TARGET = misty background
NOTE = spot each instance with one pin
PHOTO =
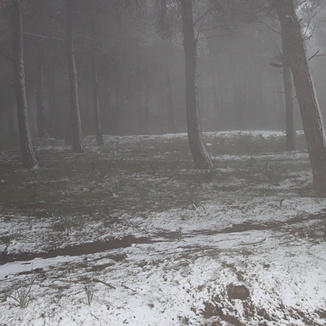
(140, 69)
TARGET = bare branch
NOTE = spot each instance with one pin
(96, 45)
(202, 18)
(44, 36)
(269, 27)
(105, 283)
(316, 55)
(6, 56)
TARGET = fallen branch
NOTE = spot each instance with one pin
(107, 284)
(128, 288)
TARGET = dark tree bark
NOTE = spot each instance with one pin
(26, 145)
(198, 150)
(288, 94)
(99, 136)
(73, 83)
(305, 90)
(40, 99)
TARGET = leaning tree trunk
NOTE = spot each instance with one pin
(197, 147)
(73, 83)
(305, 90)
(288, 94)
(26, 145)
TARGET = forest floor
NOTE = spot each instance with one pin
(131, 234)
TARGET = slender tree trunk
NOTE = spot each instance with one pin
(117, 104)
(198, 150)
(172, 125)
(10, 117)
(164, 30)
(68, 130)
(106, 114)
(40, 98)
(236, 84)
(305, 90)
(99, 136)
(147, 95)
(279, 100)
(26, 145)
(216, 98)
(288, 94)
(73, 83)
(260, 112)
(52, 98)
(170, 105)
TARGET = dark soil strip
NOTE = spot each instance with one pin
(101, 246)
(249, 226)
(75, 250)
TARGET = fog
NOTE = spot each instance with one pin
(141, 69)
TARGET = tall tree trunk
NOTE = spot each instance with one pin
(306, 94)
(236, 85)
(40, 98)
(117, 113)
(278, 98)
(198, 150)
(52, 98)
(172, 125)
(216, 98)
(26, 145)
(288, 94)
(147, 95)
(106, 112)
(68, 130)
(99, 136)
(73, 83)
(260, 114)
(165, 31)
(10, 117)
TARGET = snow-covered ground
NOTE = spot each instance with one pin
(138, 240)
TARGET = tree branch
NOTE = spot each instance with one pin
(316, 55)
(269, 27)
(97, 46)
(44, 36)
(6, 56)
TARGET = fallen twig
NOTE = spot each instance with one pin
(128, 288)
(107, 284)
